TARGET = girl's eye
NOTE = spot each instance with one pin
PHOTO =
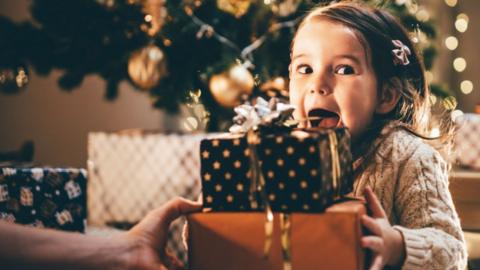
(344, 70)
(304, 69)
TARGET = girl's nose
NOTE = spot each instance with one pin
(321, 91)
(319, 85)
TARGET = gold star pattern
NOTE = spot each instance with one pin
(229, 198)
(226, 153)
(311, 149)
(303, 184)
(209, 199)
(284, 207)
(280, 162)
(237, 164)
(246, 152)
(216, 165)
(228, 176)
(254, 205)
(239, 187)
(218, 187)
(268, 151)
(248, 174)
(306, 207)
(270, 174)
(207, 177)
(315, 196)
(215, 143)
(279, 139)
(205, 154)
(313, 172)
(236, 142)
(281, 185)
(294, 196)
(290, 150)
(302, 161)
(291, 173)
(271, 197)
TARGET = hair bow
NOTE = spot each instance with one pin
(400, 53)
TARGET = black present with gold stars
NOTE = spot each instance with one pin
(297, 166)
(44, 197)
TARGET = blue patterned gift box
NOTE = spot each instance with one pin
(44, 197)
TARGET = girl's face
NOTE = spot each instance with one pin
(331, 78)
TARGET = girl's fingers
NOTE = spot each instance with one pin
(372, 225)
(374, 243)
(374, 204)
(377, 263)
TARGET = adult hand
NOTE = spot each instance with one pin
(386, 242)
(147, 240)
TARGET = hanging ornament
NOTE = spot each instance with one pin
(229, 88)
(13, 80)
(237, 8)
(284, 8)
(155, 14)
(147, 66)
(276, 87)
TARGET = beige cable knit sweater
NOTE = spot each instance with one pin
(410, 179)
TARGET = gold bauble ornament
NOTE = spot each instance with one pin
(147, 66)
(276, 87)
(13, 80)
(228, 88)
(237, 8)
(155, 14)
(284, 8)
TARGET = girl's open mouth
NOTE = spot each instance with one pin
(323, 118)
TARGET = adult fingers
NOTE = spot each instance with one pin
(372, 242)
(173, 263)
(176, 208)
(377, 263)
(374, 204)
(372, 225)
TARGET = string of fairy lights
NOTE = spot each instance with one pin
(452, 43)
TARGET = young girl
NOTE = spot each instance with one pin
(355, 66)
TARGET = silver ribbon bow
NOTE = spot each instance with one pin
(267, 113)
(400, 53)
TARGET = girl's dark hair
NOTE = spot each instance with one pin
(376, 29)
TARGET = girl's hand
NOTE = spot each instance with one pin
(386, 242)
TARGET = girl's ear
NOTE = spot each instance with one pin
(389, 98)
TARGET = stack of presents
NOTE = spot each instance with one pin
(274, 197)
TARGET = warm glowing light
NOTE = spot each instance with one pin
(466, 87)
(429, 77)
(435, 132)
(450, 103)
(191, 123)
(423, 15)
(455, 114)
(451, 43)
(461, 24)
(451, 3)
(459, 64)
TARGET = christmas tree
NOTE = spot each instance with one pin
(216, 53)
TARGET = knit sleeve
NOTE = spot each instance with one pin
(426, 214)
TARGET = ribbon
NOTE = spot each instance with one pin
(257, 186)
(274, 114)
(285, 236)
(332, 137)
